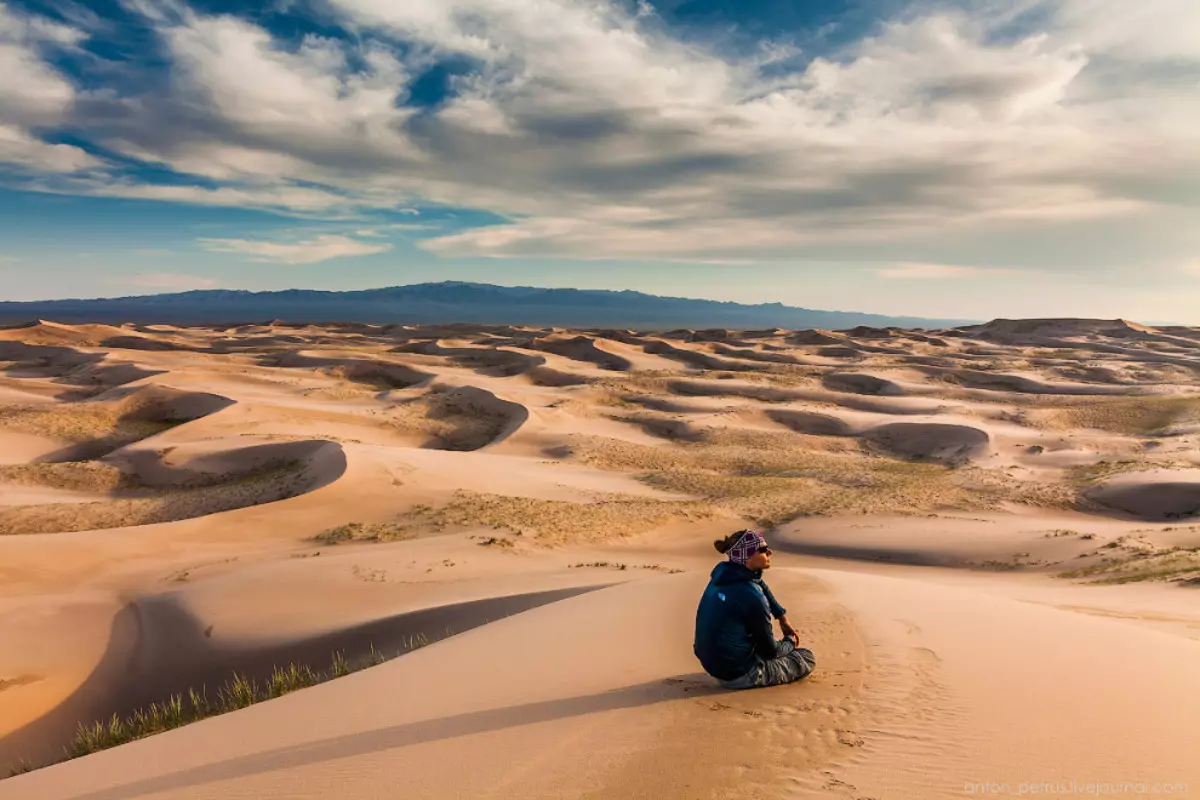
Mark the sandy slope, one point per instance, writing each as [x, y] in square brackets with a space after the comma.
[989, 535]
[909, 701]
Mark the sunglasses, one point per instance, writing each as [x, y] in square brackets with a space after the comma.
[764, 549]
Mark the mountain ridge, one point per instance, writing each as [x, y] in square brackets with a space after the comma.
[451, 301]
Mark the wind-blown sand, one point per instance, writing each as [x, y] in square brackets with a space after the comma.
[990, 536]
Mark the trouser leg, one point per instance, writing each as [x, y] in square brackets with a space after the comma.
[791, 664]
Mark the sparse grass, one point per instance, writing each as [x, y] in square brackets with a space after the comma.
[558, 521]
[278, 482]
[1126, 415]
[238, 692]
[774, 477]
[1093, 473]
[102, 427]
[79, 476]
[451, 420]
[499, 541]
[1003, 566]
[620, 566]
[366, 532]
[1141, 564]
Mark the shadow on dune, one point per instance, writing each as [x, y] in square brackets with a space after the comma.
[415, 733]
[158, 649]
[85, 374]
[138, 413]
[909, 557]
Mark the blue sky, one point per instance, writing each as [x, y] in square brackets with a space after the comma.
[975, 158]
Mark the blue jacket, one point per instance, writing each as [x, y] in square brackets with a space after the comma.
[733, 622]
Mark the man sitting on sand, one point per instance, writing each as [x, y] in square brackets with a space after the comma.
[735, 639]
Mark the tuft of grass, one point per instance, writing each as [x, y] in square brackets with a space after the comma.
[238, 692]
[365, 532]
[498, 541]
[1003, 566]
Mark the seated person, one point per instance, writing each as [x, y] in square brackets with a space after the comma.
[735, 638]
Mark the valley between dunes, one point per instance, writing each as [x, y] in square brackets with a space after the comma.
[989, 536]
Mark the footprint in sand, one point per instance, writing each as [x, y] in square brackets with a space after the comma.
[850, 738]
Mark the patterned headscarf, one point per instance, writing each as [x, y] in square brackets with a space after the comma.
[746, 546]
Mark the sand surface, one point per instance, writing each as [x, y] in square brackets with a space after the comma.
[990, 536]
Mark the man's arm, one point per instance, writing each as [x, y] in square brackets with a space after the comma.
[777, 611]
[758, 623]
[780, 613]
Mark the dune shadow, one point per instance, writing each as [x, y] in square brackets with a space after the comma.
[416, 733]
[159, 649]
[910, 557]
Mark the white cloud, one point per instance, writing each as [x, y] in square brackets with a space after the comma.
[952, 136]
[930, 271]
[171, 281]
[321, 248]
[34, 95]
[19, 148]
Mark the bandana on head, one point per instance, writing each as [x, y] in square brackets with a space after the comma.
[746, 546]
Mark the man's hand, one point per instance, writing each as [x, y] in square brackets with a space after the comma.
[788, 631]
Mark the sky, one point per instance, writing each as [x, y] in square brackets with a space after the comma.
[966, 159]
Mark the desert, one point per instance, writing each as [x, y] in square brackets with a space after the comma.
[463, 560]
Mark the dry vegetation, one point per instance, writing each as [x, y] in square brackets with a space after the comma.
[102, 427]
[1131, 564]
[236, 693]
[79, 476]
[775, 477]
[544, 521]
[450, 420]
[273, 483]
[1131, 416]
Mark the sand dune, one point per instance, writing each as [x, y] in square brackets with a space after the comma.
[859, 383]
[932, 441]
[912, 712]
[194, 501]
[1153, 494]
[584, 348]
[811, 422]
[498, 362]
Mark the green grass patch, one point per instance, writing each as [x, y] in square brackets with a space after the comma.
[236, 693]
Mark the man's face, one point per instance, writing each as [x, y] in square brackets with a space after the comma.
[760, 560]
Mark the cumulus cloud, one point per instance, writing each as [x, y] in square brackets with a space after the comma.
[597, 133]
[312, 251]
[34, 96]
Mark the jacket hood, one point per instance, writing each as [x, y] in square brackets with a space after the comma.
[727, 572]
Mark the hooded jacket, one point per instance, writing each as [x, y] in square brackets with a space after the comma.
[733, 623]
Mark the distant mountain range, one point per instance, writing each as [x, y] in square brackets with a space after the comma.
[448, 302]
